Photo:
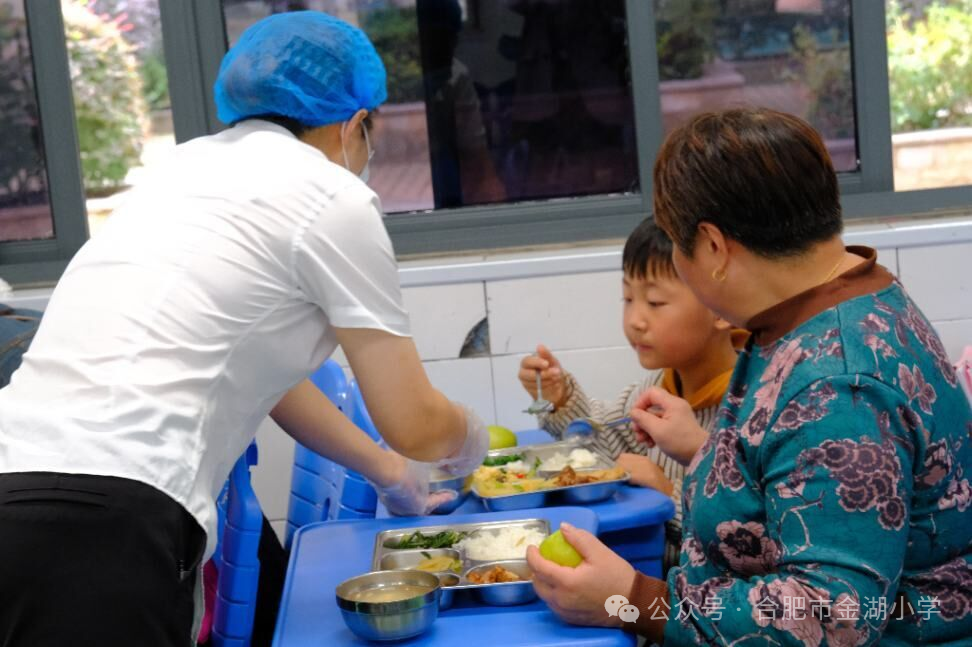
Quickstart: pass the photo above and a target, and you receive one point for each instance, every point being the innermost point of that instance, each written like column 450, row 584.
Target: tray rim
column 506, row 451
column 380, row 551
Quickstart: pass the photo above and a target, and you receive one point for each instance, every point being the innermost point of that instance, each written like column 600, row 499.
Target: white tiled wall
column 442, row 316
column 567, row 312
column 469, row 381
column 939, row 279
column 956, row 335
column 271, row 476
column 888, row 257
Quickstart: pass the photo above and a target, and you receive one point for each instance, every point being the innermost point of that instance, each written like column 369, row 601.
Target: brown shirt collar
column 865, row 278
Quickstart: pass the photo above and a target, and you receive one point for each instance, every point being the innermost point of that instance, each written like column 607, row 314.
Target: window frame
column 562, row 220
column 194, row 41
column 35, row 262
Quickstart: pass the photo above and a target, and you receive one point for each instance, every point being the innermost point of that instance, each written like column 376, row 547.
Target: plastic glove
column 472, row 453
column 410, row 495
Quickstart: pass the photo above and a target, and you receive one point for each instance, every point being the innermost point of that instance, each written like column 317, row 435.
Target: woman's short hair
column 763, row 177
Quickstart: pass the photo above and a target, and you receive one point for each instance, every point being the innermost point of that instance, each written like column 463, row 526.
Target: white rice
column 578, row 459
column 502, row 543
column 517, row 467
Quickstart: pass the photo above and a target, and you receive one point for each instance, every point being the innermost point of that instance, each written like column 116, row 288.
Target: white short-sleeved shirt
column 210, row 294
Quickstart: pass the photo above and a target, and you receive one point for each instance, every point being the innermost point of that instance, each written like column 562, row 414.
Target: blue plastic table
column 326, row 554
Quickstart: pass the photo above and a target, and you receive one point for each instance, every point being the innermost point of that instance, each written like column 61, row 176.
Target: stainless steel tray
column 506, row 593
column 566, row 495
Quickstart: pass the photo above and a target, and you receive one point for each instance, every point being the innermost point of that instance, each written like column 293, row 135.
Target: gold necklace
column 830, row 275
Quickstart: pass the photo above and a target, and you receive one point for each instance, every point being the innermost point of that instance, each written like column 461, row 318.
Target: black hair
column 648, row 252
column 297, row 128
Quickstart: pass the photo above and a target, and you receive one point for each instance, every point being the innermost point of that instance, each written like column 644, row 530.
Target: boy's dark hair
column 763, row 177
column 648, row 252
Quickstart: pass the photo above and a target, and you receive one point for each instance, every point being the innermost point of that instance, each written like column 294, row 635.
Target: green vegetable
column 444, row 539
column 533, row 470
column 518, row 488
column 426, row 555
column 497, row 461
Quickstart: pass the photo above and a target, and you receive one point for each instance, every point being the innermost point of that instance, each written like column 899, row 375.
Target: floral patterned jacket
column 831, row 504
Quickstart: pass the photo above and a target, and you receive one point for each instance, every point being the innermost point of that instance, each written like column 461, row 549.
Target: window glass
column 121, row 96
column 930, row 83
column 791, row 55
column 491, row 101
column 25, row 210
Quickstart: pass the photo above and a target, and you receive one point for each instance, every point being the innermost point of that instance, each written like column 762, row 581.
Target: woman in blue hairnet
column 202, row 307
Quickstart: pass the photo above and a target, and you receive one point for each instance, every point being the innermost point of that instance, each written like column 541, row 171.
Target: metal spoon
column 585, row 427
column 539, row 405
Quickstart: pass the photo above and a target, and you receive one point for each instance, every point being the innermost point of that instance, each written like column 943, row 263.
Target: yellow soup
column 395, row 593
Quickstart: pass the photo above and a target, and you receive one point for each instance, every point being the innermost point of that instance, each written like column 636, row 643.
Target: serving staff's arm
column 344, row 263
column 413, row 417
column 310, row 418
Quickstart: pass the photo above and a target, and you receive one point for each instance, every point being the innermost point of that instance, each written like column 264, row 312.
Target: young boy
column 690, row 353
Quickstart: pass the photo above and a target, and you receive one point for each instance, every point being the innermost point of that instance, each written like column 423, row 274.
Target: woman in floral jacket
column 830, row 506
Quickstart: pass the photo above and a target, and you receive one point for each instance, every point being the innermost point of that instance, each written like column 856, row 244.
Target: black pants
column 93, row 560
column 273, row 571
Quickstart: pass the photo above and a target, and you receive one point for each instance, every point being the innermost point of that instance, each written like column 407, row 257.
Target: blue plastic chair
column 315, row 480
column 321, row 490
column 240, row 524
column 356, row 498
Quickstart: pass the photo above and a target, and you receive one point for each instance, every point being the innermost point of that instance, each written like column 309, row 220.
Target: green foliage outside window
column 686, row 37
column 930, row 66
column 394, row 32
column 108, row 101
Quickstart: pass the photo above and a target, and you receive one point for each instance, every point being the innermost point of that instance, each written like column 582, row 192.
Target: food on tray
column 444, row 539
column 568, row 476
column 501, row 481
column 558, row 550
column 496, row 481
column 500, row 544
column 495, row 575
column 500, row 437
column 497, row 461
column 521, row 468
column 395, row 593
column 579, row 459
column 439, row 564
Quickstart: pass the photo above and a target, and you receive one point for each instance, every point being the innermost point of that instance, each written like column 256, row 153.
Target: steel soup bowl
column 441, row 481
column 389, row 620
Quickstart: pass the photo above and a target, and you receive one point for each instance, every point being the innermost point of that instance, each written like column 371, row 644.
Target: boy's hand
column 552, row 378
column 646, row 473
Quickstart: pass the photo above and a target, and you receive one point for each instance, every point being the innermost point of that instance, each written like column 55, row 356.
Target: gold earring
column 719, row 274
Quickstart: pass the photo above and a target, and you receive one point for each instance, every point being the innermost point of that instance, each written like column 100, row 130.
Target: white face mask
column 365, row 174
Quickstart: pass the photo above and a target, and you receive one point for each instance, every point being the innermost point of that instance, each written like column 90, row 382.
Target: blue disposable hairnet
column 305, row 65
